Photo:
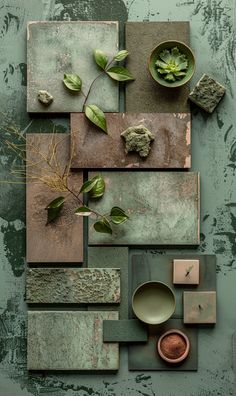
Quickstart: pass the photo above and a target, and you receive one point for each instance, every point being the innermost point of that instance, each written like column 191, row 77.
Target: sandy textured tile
column 200, row 307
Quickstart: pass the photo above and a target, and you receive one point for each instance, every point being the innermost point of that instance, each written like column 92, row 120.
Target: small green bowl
column 184, row 49
column 153, row 302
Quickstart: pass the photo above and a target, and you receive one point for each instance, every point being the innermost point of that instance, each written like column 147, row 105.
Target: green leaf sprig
column 172, row 64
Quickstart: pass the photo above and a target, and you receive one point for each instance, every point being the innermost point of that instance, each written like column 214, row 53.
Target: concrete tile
column 200, row 307
column 124, row 331
column 207, row 93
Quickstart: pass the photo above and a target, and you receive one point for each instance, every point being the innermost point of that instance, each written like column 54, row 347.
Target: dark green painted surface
column 213, row 154
column 145, row 356
column 124, row 331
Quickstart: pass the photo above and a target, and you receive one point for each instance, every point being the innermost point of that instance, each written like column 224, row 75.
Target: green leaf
column 73, row 82
column 98, row 189
column 83, row 211
column 121, row 55
column 88, row 185
column 103, row 226
column 54, row 209
column 96, row 116
column 120, row 73
column 100, row 58
column 118, row 215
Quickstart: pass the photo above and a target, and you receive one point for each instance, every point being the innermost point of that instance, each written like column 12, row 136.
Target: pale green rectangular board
column 73, row 286
column 163, row 208
column 116, row 257
column 56, row 48
column 70, row 340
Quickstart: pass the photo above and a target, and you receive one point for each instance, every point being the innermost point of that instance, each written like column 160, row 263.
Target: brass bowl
column 153, row 302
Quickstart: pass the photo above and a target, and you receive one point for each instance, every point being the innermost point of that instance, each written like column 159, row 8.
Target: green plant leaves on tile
column 54, row 209
column 100, row 58
column 119, row 73
column 118, row 215
column 121, row 55
column 96, row 116
column 73, row 82
column 83, row 211
column 103, row 226
column 95, row 187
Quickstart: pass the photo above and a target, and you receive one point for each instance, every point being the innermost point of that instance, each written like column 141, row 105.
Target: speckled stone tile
column 70, row 340
column 62, row 240
column 131, row 330
column 170, row 149
column 75, row 286
column 200, row 307
column 116, row 257
column 163, row 208
column 147, row 267
column 145, row 356
column 56, row 48
column 144, row 95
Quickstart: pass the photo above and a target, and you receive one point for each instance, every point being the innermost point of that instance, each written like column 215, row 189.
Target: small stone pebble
column 45, row 97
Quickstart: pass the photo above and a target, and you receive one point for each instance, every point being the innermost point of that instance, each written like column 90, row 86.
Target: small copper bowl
column 173, row 346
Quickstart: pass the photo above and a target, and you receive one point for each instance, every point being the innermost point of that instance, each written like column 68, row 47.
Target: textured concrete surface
column 69, row 340
column 56, row 48
column 62, row 240
column 131, row 330
column 75, row 286
column 144, row 94
column 213, row 154
column 163, row 208
column 145, row 356
column 146, row 267
column 116, row 258
column 170, row 149
column 207, row 93
column 200, row 307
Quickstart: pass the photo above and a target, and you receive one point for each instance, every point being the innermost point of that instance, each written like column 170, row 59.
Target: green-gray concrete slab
column 73, row 286
column 146, row 357
column 163, row 208
column 70, row 340
column 147, row 267
column 117, row 257
column 66, row 47
column 131, row 330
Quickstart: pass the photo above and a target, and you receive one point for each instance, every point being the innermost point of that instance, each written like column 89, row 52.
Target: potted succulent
column 172, row 64
column 173, row 346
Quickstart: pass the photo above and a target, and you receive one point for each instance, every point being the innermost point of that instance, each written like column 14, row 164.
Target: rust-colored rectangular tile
column 61, row 240
column 94, row 149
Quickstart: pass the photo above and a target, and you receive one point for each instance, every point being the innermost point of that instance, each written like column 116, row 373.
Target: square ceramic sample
column 131, row 330
column 70, row 340
column 144, row 356
column 58, row 48
column 116, row 257
column 148, row 266
column 186, row 272
column 163, row 208
column 75, row 286
column 200, row 307
column 144, row 95
column 207, row 93
column 169, row 149
column 61, row 240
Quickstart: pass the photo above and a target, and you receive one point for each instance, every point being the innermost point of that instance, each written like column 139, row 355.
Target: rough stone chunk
column 207, row 93
column 45, row 97
column 138, row 138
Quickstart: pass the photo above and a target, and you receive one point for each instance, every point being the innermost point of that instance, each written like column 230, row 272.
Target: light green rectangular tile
column 70, row 340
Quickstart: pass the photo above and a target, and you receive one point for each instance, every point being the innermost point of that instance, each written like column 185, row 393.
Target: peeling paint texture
column 212, row 38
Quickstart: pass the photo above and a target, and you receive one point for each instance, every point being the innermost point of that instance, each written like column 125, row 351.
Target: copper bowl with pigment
column 173, row 346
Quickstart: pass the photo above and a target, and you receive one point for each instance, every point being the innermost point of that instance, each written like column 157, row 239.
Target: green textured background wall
column 213, row 154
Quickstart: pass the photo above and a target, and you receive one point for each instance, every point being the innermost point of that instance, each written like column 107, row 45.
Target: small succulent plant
column 172, row 64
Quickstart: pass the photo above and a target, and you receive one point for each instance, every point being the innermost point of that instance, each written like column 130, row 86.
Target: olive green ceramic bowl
column 184, row 49
column 153, row 302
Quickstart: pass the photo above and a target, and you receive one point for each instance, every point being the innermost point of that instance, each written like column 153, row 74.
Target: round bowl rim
column 185, row 354
column 154, row 282
column 177, row 42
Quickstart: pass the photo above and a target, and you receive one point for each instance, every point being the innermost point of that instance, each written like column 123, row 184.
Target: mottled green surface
column 213, row 154
column 207, row 93
column 163, row 208
column 66, row 341
column 124, row 331
column 75, row 286
column 56, row 48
